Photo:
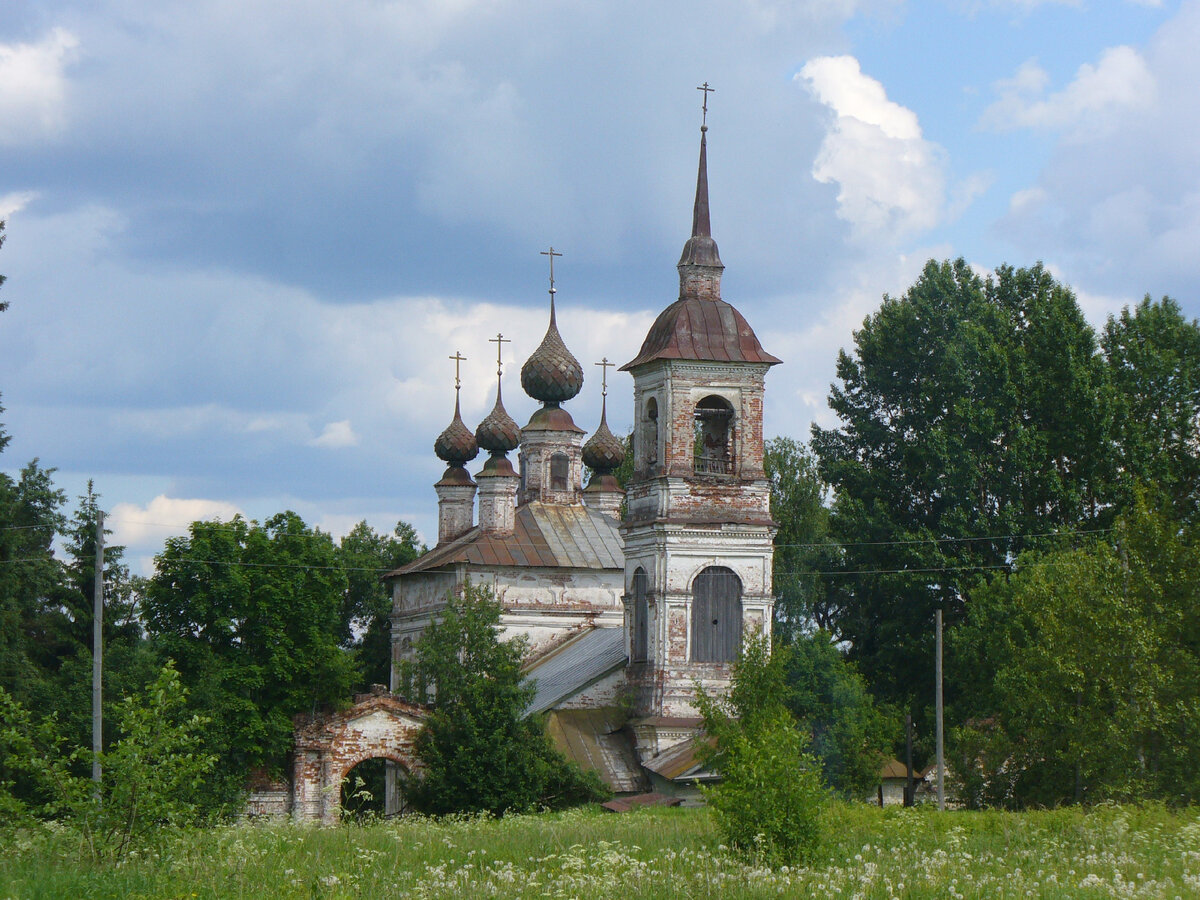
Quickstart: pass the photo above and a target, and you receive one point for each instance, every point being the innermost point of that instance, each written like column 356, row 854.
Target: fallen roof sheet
column 570, row 668
column 625, row 804
column 682, row 761
column 594, row 739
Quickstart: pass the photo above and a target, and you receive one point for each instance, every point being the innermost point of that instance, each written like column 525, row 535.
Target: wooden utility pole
column 908, row 784
column 98, row 651
column 941, row 757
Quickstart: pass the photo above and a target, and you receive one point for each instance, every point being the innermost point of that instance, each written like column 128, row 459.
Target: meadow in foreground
column 1132, row 851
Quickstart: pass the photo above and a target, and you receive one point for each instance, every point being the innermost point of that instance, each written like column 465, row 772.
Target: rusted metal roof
column 701, row 329
column 544, row 535
column 574, row 665
column 594, row 739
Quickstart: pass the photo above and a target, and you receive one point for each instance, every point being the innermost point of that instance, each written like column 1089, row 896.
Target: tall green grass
column 1132, row 851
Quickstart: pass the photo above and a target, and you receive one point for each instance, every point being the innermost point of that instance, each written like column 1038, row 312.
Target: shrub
column 770, row 801
column 478, row 750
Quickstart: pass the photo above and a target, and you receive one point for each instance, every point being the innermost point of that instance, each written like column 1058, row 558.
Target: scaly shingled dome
column 552, row 374
column 456, row 445
column 498, row 433
column 604, row 451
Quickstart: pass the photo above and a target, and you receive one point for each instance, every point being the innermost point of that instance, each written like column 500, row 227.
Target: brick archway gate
column 329, row 745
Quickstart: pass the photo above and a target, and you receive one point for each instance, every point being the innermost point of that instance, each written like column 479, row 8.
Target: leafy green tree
column 1085, row 666
column 63, row 650
column 972, row 418
column 802, row 544
column 770, row 801
column 1153, row 359
column 153, row 777
column 30, row 579
column 478, row 749
column 851, row 734
column 251, row 614
column 367, row 605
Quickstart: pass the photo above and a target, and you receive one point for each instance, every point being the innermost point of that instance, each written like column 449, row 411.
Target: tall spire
column 701, row 249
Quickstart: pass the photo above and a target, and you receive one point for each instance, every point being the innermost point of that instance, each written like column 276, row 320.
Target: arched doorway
column 331, row 746
column 373, row 788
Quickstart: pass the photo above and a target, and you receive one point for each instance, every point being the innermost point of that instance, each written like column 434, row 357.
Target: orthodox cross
column 551, row 253
column 499, row 340
column 707, row 90
column 604, row 375
column 459, row 359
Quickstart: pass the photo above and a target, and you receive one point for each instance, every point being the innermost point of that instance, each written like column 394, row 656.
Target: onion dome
column 456, row 445
column 604, row 451
column 552, row 374
column 498, row 433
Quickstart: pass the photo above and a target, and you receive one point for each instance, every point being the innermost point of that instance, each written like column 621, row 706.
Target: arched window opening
column 560, row 471
column 716, row 615
column 640, row 650
column 713, row 452
column 650, row 434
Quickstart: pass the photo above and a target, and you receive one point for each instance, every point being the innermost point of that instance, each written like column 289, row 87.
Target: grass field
column 1131, row 851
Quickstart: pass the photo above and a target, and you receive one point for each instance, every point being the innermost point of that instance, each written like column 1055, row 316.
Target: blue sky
column 245, row 237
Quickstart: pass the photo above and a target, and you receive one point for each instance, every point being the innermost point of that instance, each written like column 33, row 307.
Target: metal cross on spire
column 499, row 340
column 704, row 118
column 551, row 253
column 459, row 359
column 604, row 375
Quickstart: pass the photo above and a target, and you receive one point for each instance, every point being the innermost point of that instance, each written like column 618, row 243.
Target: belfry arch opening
column 649, row 437
column 713, row 452
column 716, row 616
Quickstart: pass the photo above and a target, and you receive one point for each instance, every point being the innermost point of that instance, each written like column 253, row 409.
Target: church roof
column 544, row 534
column 700, row 329
column 570, row 668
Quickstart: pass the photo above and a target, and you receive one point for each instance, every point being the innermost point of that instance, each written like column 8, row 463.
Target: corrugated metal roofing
column 544, row 534
column 575, row 665
column 594, row 739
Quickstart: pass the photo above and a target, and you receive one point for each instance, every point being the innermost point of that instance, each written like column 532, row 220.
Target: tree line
column 1038, row 481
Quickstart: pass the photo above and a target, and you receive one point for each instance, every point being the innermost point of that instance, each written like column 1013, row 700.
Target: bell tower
column 698, row 530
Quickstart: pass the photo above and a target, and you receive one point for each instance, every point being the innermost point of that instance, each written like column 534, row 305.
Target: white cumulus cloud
column 142, row 530
column 1118, row 81
column 33, row 87
column 892, row 181
column 336, row 435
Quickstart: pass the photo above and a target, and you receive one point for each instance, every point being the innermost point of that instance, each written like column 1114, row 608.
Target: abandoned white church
column 628, row 597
